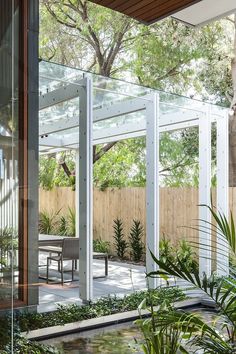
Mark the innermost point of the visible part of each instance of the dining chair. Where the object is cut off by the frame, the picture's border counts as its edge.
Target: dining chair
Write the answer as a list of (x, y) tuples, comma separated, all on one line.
[(69, 252)]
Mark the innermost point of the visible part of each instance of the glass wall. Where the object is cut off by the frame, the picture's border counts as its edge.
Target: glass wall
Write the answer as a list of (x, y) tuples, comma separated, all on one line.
[(9, 151)]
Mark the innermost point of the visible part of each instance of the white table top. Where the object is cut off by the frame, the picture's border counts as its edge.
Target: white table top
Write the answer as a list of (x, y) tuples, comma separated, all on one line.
[(43, 237)]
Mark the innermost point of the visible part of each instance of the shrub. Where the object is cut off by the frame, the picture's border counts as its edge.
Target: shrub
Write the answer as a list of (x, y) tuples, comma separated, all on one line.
[(48, 221), (166, 252), (62, 226), (103, 306), (101, 246), (20, 344), (120, 243), (8, 239), (135, 239), (186, 255), (71, 219), (182, 253), (67, 224)]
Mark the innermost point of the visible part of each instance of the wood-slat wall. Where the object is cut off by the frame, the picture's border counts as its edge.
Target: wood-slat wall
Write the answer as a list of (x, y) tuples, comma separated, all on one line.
[(178, 209)]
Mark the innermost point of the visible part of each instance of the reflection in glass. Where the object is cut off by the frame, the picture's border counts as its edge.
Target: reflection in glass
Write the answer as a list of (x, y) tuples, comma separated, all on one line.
[(9, 137)]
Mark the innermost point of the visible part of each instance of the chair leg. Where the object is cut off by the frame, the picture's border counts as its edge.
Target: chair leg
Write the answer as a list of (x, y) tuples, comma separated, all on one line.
[(72, 269), (59, 268), (106, 266), (62, 272), (48, 262)]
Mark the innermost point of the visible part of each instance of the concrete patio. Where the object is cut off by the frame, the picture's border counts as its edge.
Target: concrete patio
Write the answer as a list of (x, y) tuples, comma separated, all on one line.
[(122, 279)]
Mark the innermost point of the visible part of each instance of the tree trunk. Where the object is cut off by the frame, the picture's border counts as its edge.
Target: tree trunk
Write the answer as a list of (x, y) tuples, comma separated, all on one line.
[(232, 120)]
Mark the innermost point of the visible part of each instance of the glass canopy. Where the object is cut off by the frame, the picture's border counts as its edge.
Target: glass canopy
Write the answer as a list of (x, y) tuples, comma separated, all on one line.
[(58, 121)]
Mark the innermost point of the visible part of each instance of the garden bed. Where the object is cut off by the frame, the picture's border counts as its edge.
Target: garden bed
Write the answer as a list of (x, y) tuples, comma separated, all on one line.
[(67, 315)]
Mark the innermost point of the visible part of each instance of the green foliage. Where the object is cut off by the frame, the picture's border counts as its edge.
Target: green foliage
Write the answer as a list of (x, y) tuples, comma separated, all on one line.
[(166, 251), (48, 222), (122, 166), (102, 307), (8, 239), (125, 164), (168, 56), (182, 253), (97, 36), (71, 221), (51, 174), (160, 339), (62, 226), (186, 255), (8, 242), (53, 223), (217, 336), (101, 246), (179, 163), (20, 344), (119, 239), (136, 241)]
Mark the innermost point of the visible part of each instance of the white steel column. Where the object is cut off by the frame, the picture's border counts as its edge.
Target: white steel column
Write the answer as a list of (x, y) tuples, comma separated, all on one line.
[(222, 189), (204, 192), (77, 192), (85, 192), (152, 185)]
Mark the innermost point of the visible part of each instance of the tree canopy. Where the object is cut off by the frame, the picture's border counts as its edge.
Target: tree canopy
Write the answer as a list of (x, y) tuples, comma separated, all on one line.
[(167, 56)]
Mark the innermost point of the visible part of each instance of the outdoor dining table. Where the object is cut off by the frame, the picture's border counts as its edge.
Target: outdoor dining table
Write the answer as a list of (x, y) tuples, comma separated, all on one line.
[(50, 240)]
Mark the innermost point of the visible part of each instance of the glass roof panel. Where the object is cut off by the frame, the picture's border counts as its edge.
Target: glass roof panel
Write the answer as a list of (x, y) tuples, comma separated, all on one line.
[(106, 93)]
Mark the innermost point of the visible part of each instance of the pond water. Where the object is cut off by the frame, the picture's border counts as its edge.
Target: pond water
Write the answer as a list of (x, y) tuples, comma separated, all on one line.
[(118, 339)]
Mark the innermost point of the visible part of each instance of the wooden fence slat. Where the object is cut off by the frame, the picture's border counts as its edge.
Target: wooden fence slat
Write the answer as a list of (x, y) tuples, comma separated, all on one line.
[(178, 209)]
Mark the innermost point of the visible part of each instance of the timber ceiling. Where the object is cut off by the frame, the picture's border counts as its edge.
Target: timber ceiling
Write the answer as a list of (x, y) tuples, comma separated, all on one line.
[(146, 11)]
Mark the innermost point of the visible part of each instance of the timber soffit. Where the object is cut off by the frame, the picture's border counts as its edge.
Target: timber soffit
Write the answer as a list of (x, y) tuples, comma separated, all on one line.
[(147, 11)]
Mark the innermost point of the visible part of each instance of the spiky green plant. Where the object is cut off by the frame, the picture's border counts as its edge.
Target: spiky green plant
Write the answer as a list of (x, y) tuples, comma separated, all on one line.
[(62, 226), (48, 222), (119, 238), (71, 219), (218, 336), (101, 246), (136, 240), (8, 243)]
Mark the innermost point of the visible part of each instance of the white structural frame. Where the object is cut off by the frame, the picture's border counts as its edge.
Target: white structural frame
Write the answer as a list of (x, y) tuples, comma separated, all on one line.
[(205, 127), (152, 186), (84, 139), (222, 255), (85, 201)]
